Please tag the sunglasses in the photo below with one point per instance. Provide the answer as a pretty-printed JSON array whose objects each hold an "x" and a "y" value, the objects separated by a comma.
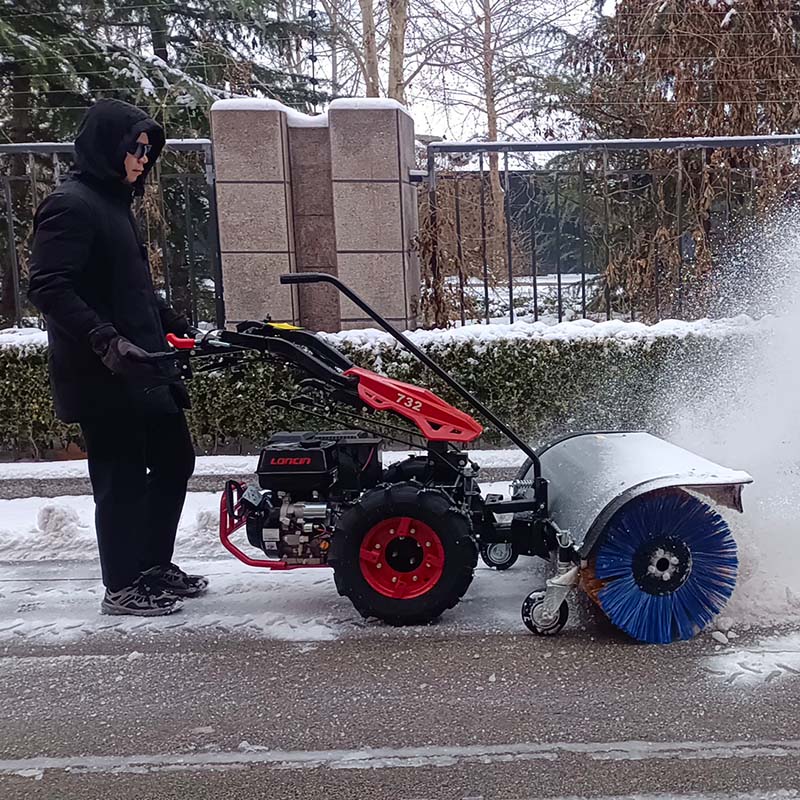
[{"x": 140, "y": 150}]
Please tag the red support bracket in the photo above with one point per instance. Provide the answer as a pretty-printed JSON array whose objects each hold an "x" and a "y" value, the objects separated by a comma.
[{"x": 229, "y": 523}]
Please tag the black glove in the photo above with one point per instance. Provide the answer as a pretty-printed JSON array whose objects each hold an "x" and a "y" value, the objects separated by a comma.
[
  {"x": 124, "y": 358},
  {"x": 173, "y": 322}
]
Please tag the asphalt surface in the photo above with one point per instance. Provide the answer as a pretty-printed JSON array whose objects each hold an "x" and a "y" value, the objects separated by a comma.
[{"x": 395, "y": 715}]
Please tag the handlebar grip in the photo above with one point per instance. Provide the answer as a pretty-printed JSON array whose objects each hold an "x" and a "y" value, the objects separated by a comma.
[
  {"x": 180, "y": 344},
  {"x": 304, "y": 277}
]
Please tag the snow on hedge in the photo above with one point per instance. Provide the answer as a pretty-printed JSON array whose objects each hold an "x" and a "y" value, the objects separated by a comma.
[
  {"x": 578, "y": 330},
  {"x": 24, "y": 338}
]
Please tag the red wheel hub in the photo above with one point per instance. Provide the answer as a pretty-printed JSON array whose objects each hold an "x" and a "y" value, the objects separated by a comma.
[{"x": 402, "y": 557}]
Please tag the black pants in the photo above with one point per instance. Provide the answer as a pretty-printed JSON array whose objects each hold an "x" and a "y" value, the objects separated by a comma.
[{"x": 139, "y": 468}]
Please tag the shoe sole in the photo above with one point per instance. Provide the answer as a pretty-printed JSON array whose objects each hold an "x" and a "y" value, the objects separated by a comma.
[{"x": 117, "y": 611}]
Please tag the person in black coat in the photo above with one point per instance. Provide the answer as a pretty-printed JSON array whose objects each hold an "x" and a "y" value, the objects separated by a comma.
[{"x": 90, "y": 278}]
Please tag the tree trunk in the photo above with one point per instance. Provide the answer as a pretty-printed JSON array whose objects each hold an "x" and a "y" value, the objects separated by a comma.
[
  {"x": 370, "y": 44},
  {"x": 498, "y": 227},
  {"x": 334, "y": 51},
  {"x": 158, "y": 32},
  {"x": 398, "y": 22}
]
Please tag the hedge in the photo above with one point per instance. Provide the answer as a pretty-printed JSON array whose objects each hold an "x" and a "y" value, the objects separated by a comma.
[{"x": 539, "y": 385}]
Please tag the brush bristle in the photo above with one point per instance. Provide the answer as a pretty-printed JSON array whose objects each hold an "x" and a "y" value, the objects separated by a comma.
[{"x": 680, "y": 614}]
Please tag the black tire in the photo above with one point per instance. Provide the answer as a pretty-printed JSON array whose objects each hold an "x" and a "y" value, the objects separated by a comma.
[
  {"x": 530, "y": 605},
  {"x": 489, "y": 556},
  {"x": 407, "y": 501}
]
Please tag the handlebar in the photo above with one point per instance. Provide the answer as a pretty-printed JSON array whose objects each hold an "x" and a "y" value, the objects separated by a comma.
[
  {"x": 302, "y": 277},
  {"x": 180, "y": 343}
]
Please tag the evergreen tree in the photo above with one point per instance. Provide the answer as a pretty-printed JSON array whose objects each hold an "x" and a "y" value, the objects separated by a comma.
[{"x": 173, "y": 59}]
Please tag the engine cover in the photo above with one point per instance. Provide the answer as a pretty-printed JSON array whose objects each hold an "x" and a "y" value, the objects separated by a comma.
[{"x": 300, "y": 467}]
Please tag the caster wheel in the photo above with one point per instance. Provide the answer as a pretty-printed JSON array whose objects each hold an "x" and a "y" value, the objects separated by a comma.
[
  {"x": 532, "y": 608},
  {"x": 498, "y": 555}
]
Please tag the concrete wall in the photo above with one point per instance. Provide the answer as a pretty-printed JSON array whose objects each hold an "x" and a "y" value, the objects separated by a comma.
[{"x": 319, "y": 194}]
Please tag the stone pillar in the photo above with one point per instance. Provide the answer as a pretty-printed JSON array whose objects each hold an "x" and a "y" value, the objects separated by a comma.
[
  {"x": 251, "y": 157},
  {"x": 314, "y": 229},
  {"x": 375, "y": 209},
  {"x": 327, "y": 193}
]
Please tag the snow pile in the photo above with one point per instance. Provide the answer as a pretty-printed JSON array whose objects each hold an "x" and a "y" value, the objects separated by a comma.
[
  {"x": 24, "y": 338},
  {"x": 481, "y": 335},
  {"x": 296, "y": 119},
  {"x": 61, "y": 530},
  {"x": 578, "y": 330},
  {"x": 751, "y": 421}
]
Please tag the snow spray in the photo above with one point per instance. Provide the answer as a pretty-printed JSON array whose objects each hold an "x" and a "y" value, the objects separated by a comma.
[{"x": 749, "y": 418}]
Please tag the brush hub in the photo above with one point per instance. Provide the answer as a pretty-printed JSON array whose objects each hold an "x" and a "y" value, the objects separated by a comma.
[{"x": 662, "y": 565}]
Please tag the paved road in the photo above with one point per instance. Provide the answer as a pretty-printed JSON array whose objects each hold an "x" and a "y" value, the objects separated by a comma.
[{"x": 397, "y": 715}]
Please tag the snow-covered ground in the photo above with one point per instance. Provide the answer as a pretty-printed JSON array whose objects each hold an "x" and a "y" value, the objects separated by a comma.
[
  {"x": 50, "y": 589},
  {"x": 59, "y": 602}
]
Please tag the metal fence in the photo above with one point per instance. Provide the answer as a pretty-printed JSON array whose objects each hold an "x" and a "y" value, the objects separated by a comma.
[
  {"x": 177, "y": 215},
  {"x": 632, "y": 229}
]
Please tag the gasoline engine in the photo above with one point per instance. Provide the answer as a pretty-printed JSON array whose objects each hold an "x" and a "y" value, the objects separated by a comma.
[{"x": 305, "y": 478}]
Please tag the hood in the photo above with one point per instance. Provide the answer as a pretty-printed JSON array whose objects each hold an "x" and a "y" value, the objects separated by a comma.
[{"x": 107, "y": 132}]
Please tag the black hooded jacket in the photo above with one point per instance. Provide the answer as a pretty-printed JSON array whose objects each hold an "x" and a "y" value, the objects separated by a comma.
[{"x": 89, "y": 267}]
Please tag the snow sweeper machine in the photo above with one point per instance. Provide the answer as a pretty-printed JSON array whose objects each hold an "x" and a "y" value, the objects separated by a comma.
[{"x": 619, "y": 514}]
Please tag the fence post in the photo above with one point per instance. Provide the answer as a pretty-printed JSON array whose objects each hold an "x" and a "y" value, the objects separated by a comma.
[
  {"x": 581, "y": 231},
  {"x": 12, "y": 251},
  {"x": 484, "y": 261},
  {"x": 558, "y": 245},
  {"x": 213, "y": 221},
  {"x": 679, "y": 203},
  {"x": 509, "y": 248},
  {"x": 606, "y": 232}
]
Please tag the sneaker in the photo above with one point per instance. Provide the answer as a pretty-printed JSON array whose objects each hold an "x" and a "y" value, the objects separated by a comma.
[
  {"x": 142, "y": 598},
  {"x": 175, "y": 581}
]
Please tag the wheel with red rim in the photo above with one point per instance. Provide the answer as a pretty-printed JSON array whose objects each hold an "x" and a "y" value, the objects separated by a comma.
[
  {"x": 402, "y": 554},
  {"x": 402, "y": 557}
]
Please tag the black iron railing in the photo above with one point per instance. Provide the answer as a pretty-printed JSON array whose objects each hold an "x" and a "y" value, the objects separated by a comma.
[
  {"x": 178, "y": 217},
  {"x": 614, "y": 228}
]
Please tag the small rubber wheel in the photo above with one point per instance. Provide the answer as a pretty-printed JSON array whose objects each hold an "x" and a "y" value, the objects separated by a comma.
[
  {"x": 498, "y": 555},
  {"x": 403, "y": 554},
  {"x": 532, "y": 616}
]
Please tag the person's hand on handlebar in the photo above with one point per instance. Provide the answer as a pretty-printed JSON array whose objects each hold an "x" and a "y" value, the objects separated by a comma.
[{"x": 124, "y": 358}]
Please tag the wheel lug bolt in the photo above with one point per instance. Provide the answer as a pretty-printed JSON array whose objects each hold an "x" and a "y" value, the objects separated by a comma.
[
  {"x": 415, "y": 578},
  {"x": 427, "y": 544},
  {"x": 377, "y": 547},
  {"x": 413, "y": 530},
  {"x": 378, "y": 565},
  {"x": 391, "y": 530},
  {"x": 394, "y": 580}
]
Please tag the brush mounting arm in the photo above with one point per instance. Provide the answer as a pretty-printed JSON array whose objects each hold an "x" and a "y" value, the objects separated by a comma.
[{"x": 321, "y": 277}]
